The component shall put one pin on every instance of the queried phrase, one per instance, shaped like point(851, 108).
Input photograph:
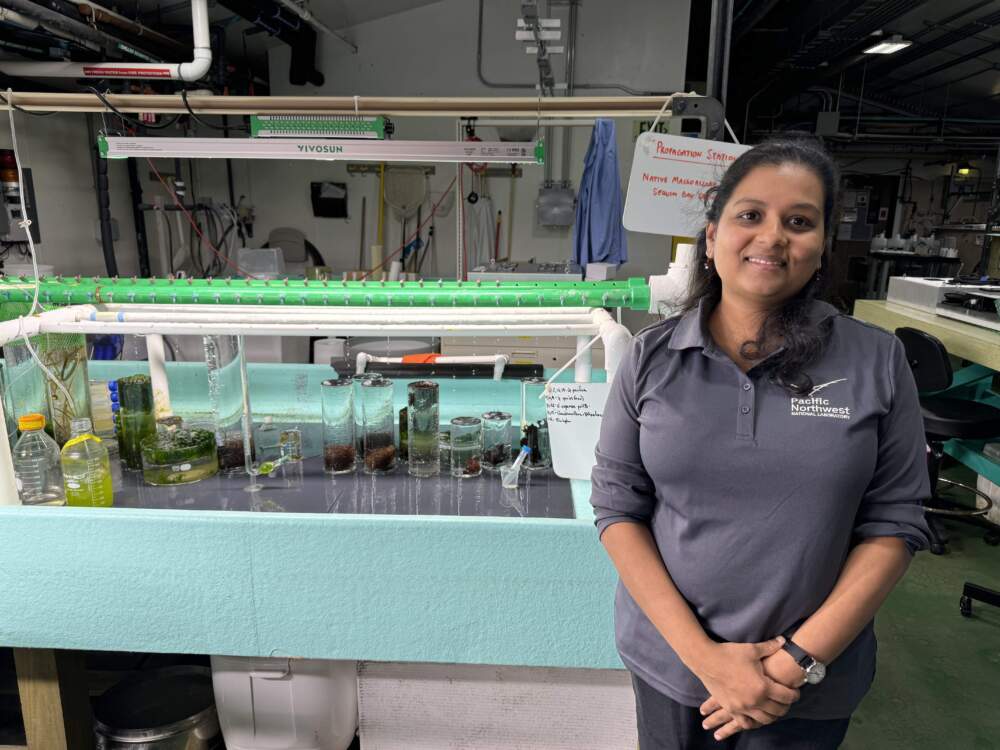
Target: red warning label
point(120, 72)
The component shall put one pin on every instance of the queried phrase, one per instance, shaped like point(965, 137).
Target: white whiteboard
point(574, 412)
point(670, 174)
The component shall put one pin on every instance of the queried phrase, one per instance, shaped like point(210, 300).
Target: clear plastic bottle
point(86, 468)
point(37, 472)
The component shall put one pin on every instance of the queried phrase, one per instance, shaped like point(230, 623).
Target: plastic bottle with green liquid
point(86, 468)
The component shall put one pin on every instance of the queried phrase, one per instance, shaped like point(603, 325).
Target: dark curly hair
point(802, 341)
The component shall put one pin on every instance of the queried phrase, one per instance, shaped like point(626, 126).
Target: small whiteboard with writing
point(574, 412)
point(670, 175)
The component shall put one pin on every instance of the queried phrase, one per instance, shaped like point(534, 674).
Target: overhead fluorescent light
point(886, 47)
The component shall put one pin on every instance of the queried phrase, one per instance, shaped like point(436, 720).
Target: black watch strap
point(801, 656)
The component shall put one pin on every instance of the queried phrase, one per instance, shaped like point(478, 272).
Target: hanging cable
point(184, 98)
point(131, 120)
point(22, 109)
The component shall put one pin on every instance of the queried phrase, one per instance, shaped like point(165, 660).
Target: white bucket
point(286, 704)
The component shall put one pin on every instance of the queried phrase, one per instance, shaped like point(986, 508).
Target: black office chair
point(946, 418)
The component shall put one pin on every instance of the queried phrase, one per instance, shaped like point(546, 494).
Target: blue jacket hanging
point(598, 235)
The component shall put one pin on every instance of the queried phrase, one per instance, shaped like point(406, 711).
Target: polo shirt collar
point(692, 329)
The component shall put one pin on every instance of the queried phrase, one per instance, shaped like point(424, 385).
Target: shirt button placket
point(745, 417)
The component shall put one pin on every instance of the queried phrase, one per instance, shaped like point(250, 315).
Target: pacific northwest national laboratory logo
point(815, 405)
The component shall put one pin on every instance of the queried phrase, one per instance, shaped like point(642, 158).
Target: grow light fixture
point(324, 149)
point(888, 46)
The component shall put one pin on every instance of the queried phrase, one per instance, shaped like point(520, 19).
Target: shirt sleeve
point(893, 502)
point(621, 490)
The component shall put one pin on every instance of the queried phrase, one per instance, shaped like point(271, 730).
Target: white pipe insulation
point(186, 71)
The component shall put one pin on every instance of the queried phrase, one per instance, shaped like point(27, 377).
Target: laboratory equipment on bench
point(380, 426)
point(535, 423)
point(466, 447)
point(178, 455)
point(496, 439)
point(37, 471)
point(509, 475)
point(86, 468)
point(339, 450)
point(136, 420)
point(422, 414)
point(520, 270)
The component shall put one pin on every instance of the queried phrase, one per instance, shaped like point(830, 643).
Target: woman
point(759, 479)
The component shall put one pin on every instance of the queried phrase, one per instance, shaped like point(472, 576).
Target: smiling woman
point(763, 254)
point(759, 480)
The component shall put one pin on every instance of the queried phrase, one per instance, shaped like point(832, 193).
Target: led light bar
point(115, 147)
point(317, 126)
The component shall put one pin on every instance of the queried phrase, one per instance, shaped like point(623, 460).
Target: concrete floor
point(938, 678)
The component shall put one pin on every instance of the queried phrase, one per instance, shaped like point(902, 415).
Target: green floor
point(938, 679)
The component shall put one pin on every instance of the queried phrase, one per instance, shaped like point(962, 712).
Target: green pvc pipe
point(632, 293)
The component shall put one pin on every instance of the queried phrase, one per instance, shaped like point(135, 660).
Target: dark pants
point(665, 724)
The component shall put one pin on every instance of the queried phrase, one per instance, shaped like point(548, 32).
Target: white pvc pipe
point(667, 291)
point(107, 311)
point(186, 71)
point(158, 375)
point(583, 366)
point(329, 318)
point(615, 337)
point(219, 327)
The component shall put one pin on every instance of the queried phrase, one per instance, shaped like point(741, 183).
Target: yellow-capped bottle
point(86, 468)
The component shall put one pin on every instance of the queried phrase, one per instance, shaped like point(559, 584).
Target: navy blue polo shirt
point(755, 496)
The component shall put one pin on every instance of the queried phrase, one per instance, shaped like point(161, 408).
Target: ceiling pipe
point(99, 14)
point(310, 19)
point(33, 24)
point(487, 106)
point(186, 71)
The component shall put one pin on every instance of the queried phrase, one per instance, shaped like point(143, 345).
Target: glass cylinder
point(225, 399)
point(422, 411)
point(380, 427)
point(444, 449)
point(135, 418)
point(496, 439)
point(535, 424)
point(339, 450)
point(466, 447)
point(359, 412)
point(63, 399)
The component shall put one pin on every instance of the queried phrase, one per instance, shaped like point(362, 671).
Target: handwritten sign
point(669, 179)
point(574, 412)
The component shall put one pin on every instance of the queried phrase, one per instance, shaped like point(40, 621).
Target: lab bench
point(975, 344)
point(354, 567)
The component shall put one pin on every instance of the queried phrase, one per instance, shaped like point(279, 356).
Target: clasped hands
point(749, 685)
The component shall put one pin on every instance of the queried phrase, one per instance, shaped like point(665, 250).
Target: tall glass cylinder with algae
point(136, 420)
point(422, 414)
point(65, 356)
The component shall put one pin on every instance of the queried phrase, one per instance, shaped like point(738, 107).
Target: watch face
point(815, 673)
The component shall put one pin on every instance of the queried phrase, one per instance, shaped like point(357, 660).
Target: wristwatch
point(815, 670)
